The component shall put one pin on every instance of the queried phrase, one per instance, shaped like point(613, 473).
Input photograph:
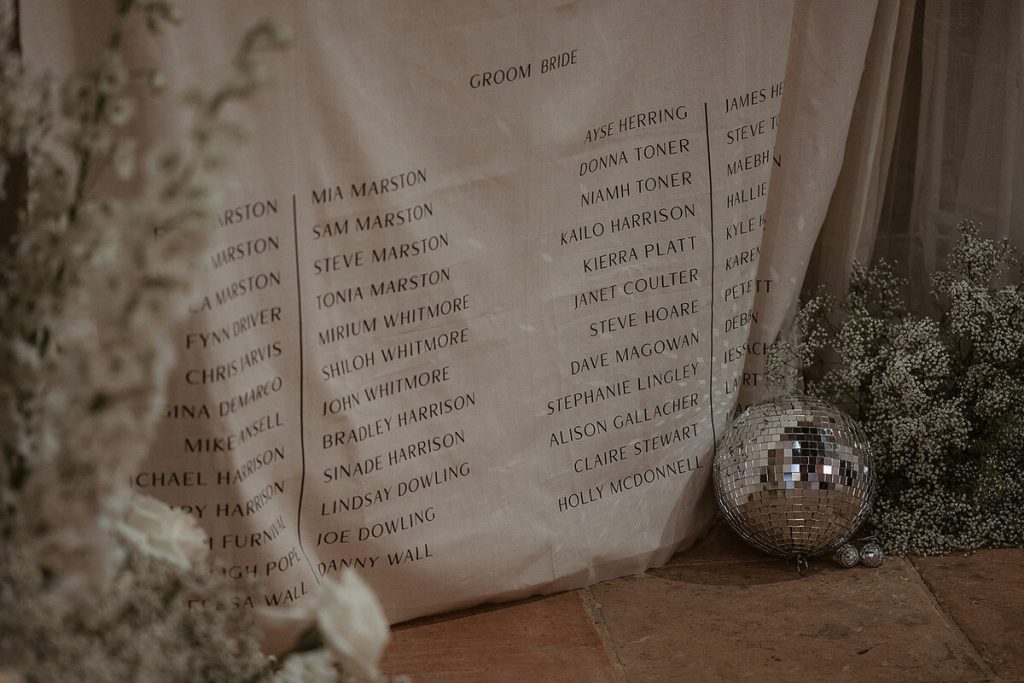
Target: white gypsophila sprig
point(147, 625)
point(91, 285)
point(815, 330)
point(307, 667)
point(109, 293)
point(940, 398)
point(1003, 342)
point(974, 259)
point(875, 291)
point(783, 366)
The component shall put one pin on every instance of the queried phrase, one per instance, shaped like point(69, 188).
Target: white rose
point(158, 530)
point(316, 666)
point(353, 625)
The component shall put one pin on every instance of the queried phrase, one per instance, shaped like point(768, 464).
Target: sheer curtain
point(968, 160)
point(937, 137)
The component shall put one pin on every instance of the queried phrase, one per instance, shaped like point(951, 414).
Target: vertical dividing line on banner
point(711, 206)
point(302, 390)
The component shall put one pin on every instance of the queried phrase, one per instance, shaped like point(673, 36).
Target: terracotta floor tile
point(984, 593)
point(549, 639)
point(704, 619)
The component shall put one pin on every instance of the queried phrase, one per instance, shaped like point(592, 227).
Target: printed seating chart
point(483, 293)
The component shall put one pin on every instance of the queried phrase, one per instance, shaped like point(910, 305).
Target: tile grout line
point(593, 611)
point(952, 623)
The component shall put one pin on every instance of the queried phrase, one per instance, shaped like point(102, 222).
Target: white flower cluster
point(156, 529)
point(941, 399)
point(342, 627)
point(87, 294)
point(98, 584)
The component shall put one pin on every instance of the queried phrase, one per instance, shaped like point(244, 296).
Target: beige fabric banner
point(483, 290)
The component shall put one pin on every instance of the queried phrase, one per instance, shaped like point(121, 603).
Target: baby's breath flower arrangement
point(98, 237)
point(941, 399)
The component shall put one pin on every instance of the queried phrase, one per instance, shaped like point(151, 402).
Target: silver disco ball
point(793, 476)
